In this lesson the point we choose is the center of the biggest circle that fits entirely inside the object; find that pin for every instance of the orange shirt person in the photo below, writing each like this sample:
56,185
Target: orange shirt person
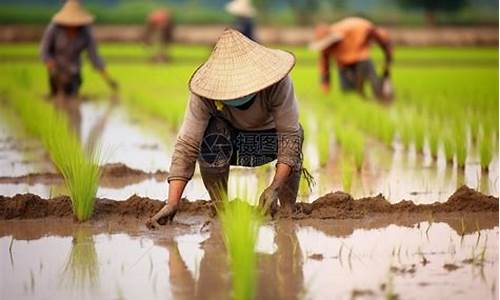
348,42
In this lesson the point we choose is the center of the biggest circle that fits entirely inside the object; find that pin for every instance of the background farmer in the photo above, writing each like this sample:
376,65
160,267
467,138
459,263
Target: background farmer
349,42
159,32
66,37
245,15
242,111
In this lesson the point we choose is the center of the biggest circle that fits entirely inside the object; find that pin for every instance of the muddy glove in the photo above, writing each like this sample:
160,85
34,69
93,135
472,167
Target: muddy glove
164,216
268,201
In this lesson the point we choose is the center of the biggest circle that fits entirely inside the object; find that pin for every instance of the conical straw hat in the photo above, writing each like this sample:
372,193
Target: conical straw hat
324,37
241,8
72,14
239,67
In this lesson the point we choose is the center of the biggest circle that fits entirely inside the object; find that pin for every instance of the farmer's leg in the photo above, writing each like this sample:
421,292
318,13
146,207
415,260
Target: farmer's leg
53,85
72,86
347,76
368,72
215,156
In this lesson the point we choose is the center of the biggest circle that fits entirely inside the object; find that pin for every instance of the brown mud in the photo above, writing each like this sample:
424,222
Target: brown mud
336,205
113,175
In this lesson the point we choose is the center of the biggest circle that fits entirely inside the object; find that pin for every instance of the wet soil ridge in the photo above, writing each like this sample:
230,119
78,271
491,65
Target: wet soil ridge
336,205
110,172
340,205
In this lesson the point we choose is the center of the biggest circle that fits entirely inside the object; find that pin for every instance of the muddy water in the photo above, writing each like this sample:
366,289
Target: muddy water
146,144
314,259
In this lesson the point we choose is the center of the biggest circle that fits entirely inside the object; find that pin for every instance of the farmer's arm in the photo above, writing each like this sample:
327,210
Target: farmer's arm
47,46
382,38
97,60
187,147
286,118
324,70
94,56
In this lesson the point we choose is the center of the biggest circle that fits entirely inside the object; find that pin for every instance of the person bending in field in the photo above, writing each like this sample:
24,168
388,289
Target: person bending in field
244,14
65,38
159,32
242,111
348,42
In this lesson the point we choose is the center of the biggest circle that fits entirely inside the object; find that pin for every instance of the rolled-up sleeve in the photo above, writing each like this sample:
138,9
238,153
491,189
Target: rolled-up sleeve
187,146
47,43
284,109
94,56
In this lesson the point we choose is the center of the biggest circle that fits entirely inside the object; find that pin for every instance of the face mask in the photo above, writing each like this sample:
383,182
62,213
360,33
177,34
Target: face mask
239,101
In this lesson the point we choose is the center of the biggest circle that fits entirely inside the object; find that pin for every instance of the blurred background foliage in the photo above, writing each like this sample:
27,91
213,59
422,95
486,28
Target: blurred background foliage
271,12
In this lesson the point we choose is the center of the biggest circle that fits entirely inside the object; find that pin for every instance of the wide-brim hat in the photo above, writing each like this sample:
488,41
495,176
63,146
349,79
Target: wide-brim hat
73,14
239,67
324,37
242,8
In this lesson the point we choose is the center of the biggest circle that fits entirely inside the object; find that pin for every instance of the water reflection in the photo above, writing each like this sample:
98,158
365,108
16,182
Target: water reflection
312,259
81,271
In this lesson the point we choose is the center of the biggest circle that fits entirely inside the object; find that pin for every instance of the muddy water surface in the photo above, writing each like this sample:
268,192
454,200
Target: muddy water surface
312,259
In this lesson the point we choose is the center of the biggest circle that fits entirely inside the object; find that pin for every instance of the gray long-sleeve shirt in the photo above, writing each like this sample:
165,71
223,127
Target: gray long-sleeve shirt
66,51
273,107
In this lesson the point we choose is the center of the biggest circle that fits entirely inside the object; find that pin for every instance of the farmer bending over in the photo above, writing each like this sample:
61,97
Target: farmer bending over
349,42
242,111
65,38
159,32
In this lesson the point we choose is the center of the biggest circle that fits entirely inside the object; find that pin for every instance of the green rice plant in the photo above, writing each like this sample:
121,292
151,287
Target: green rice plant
347,171
449,146
80,170
461,144
240,227
485,151
419,132
434,137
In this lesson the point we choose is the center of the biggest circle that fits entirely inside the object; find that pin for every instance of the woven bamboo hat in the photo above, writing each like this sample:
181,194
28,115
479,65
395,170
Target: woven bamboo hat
324,37
73,14
242,8
239,67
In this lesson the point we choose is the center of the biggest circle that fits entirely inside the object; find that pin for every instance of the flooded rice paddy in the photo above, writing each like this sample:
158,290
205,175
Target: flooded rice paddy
404,257
143,144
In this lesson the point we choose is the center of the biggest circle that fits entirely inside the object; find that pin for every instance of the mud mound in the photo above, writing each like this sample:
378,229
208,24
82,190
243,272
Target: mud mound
29,206
336,205
340,205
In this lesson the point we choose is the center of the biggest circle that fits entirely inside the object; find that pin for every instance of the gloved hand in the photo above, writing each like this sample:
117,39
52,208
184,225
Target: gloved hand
164,216
268,201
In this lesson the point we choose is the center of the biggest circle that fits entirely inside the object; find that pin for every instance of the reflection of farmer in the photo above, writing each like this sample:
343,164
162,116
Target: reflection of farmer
242,111
349,42
159,31
280,274
63,42
244,13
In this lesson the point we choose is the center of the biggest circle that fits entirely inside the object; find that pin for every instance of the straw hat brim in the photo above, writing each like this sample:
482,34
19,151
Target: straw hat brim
325,42
72,14
239,67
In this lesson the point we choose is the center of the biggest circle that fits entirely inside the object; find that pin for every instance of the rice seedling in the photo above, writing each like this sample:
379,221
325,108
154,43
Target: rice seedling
347,171
485,151
449,146
461,145
240,226
80,170
434,137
